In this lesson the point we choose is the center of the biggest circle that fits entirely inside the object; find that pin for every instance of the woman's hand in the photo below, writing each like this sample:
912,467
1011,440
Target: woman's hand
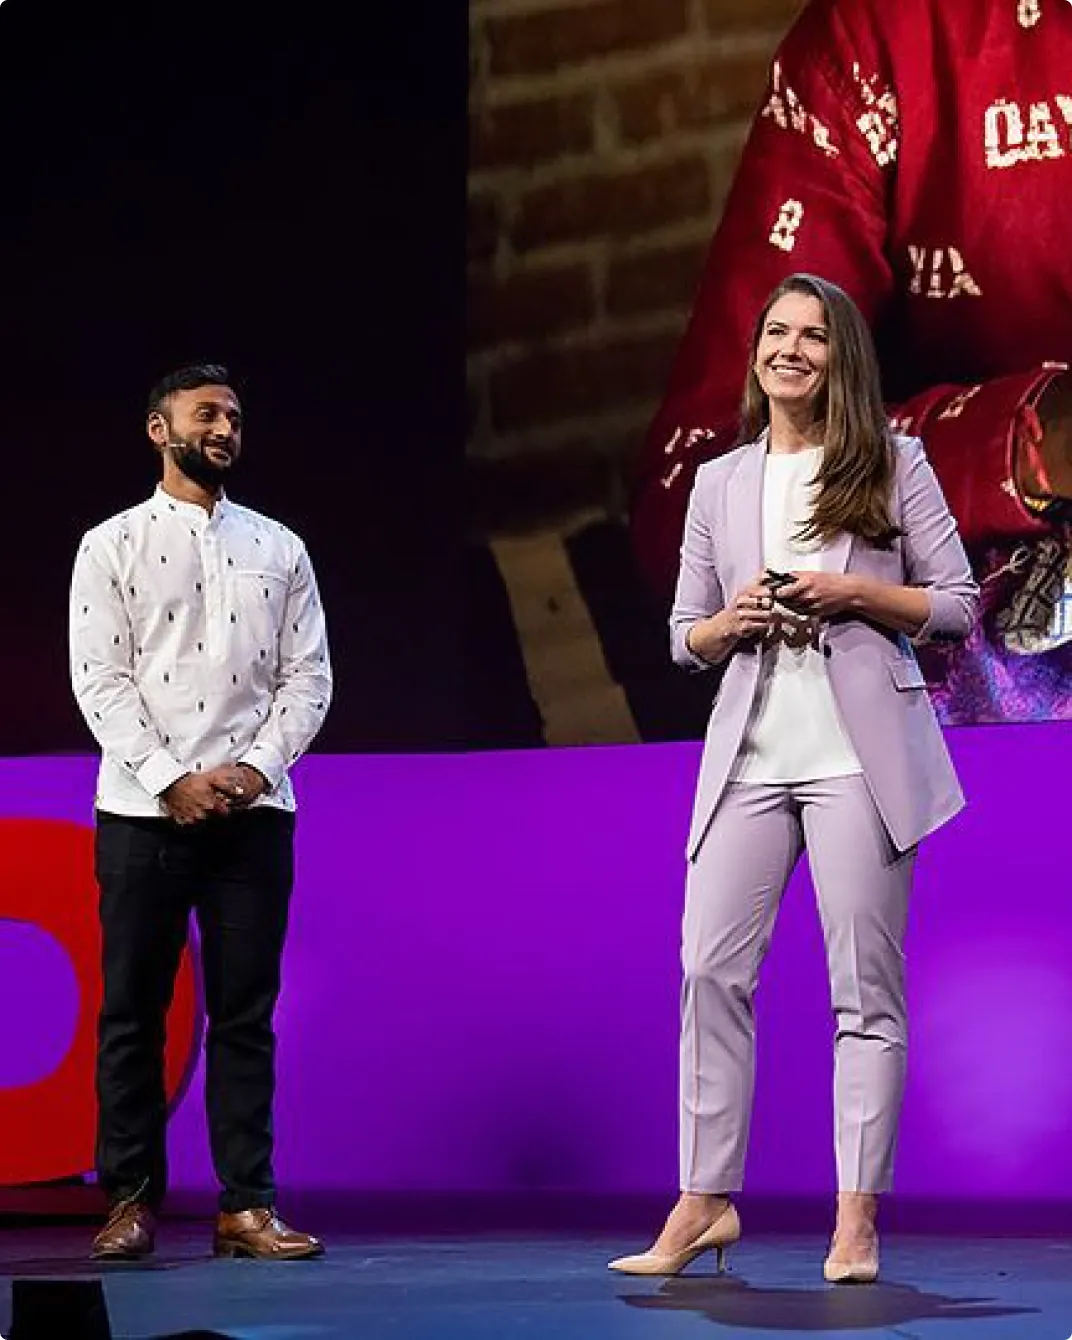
750,613
822,594
747,618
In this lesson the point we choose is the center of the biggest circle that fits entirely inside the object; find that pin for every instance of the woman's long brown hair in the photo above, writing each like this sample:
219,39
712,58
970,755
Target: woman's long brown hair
855,479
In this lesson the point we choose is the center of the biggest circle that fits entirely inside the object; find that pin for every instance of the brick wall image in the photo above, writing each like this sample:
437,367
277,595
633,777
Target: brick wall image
604,138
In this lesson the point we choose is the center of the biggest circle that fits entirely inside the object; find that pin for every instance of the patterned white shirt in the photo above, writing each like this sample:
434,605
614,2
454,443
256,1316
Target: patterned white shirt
195,640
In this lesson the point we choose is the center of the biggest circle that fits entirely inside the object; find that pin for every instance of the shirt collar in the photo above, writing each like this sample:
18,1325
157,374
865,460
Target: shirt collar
188,509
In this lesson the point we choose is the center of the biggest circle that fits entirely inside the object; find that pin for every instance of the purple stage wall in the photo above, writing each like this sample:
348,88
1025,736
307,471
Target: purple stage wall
481,979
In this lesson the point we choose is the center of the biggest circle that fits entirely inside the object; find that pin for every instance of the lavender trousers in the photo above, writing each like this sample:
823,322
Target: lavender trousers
734,888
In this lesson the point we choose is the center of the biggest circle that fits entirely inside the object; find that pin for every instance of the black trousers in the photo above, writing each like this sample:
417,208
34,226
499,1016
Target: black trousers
236,874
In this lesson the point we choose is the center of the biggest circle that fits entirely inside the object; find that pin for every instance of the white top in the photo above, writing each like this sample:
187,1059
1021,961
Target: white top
195,641
795,732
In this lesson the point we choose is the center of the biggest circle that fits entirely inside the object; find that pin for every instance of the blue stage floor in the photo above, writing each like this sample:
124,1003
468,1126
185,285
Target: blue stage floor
557,1286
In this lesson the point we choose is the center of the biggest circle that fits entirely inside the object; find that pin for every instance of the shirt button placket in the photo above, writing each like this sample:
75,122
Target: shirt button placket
210,557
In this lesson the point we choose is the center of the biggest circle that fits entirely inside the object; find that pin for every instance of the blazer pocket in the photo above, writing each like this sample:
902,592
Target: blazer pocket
906,674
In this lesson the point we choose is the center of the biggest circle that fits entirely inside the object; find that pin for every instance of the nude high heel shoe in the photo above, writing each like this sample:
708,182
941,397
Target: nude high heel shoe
856,1215
861,1270
723,1233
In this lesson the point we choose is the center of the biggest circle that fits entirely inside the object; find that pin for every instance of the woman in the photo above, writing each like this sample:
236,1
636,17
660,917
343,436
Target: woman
813,558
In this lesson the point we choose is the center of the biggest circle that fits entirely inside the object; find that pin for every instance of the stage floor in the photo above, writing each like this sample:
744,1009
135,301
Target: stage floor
482,1287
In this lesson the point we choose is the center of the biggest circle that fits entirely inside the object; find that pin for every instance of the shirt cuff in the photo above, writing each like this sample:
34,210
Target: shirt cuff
267,761
159,771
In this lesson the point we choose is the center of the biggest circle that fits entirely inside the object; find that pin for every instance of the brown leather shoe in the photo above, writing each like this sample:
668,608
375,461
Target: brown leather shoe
128,1235
262,1234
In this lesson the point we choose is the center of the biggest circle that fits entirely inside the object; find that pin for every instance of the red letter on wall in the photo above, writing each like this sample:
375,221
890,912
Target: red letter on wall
47,1129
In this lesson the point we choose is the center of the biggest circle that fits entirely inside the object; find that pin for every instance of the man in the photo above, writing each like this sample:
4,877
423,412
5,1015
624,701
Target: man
199,659
919,154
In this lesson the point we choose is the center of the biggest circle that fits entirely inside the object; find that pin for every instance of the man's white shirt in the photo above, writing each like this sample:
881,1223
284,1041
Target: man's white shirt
195,640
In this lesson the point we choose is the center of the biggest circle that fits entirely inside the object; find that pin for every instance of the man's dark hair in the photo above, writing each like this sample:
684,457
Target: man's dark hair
186,379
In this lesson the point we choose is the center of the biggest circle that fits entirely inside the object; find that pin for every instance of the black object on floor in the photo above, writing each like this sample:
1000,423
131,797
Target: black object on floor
59,1309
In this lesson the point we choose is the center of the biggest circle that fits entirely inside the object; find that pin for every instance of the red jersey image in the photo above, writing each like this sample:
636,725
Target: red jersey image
919,154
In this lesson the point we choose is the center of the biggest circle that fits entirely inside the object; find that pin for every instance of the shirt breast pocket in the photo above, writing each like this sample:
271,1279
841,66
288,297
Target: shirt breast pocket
258,603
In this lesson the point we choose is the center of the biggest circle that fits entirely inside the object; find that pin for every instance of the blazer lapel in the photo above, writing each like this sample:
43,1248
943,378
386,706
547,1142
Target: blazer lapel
835,556
744,512
744,517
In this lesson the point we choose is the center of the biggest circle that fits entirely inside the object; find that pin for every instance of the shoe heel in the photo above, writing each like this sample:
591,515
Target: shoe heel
720,1261
227,1250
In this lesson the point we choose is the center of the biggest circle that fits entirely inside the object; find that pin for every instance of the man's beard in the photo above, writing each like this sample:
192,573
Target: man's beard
191,459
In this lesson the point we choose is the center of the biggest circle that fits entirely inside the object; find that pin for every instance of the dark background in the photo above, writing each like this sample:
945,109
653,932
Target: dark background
282,191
